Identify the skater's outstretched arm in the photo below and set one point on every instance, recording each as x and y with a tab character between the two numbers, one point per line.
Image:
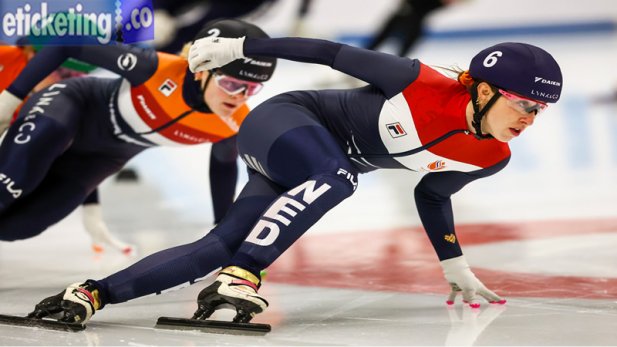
389	73
432	197
133	63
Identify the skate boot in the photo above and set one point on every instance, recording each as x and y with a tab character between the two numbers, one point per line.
234	286
69	310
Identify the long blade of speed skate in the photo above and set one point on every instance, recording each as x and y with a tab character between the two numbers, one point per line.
213	326
40	323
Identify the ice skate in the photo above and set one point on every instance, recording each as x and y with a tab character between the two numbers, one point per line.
234	286
68	311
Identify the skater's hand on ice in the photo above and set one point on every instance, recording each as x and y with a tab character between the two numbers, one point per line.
211	52
462	280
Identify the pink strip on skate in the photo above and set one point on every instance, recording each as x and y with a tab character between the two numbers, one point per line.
88	294
245	283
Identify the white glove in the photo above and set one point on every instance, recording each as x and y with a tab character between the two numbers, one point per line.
212	52
461	279
99	232
8	104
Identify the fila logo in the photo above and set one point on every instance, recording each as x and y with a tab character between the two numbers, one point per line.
545	81
436	165
10	185
127	61
168	87
450	238
349	176
396	130
283	210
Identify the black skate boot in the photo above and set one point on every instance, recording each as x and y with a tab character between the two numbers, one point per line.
234	286
68	311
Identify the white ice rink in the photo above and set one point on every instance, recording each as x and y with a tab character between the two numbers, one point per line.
543	233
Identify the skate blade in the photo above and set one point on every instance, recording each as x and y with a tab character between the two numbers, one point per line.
213	326
40	323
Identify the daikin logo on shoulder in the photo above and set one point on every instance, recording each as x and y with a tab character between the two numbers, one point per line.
75	22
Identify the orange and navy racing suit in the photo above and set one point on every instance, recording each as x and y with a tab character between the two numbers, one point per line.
73	134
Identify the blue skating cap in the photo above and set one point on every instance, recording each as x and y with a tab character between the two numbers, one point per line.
254	69
521	68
